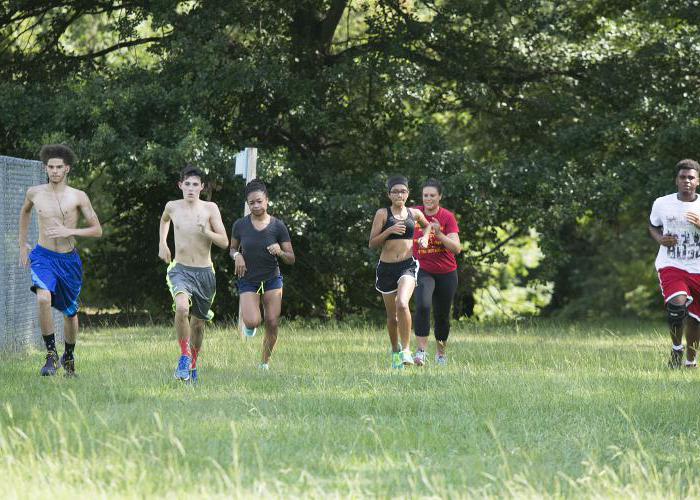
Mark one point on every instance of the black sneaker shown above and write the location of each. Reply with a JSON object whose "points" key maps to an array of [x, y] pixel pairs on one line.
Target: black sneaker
{"points": [[49, 368], [676, 359], [69, 366]]}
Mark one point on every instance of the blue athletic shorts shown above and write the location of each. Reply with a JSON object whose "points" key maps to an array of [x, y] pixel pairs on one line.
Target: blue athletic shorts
{"points": [[259, 286], [59, 273]]}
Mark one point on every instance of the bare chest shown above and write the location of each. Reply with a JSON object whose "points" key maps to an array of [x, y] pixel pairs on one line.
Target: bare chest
{"points": [[188, 222], [52, 205]]}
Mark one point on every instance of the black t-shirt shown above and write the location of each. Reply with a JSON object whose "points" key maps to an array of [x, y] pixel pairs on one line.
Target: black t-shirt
{"points": [[261, 265]]}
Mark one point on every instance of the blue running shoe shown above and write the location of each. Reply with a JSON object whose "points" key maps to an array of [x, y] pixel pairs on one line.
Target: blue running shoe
{"points": [[249, 332], [182, 372], [194, 378]]}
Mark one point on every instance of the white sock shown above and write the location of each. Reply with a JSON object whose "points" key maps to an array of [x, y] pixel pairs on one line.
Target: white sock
{"points": [[678, 347]]}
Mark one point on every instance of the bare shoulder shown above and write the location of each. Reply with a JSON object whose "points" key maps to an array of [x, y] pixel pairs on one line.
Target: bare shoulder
{"points": [[77, 194], [381, 212], [212, 207], [32, 191]]}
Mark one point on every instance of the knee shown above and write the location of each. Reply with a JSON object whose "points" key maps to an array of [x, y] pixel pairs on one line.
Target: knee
{"points": [[676, 312], [43, 298], [182, 308], [272, 323], [402, 306]]}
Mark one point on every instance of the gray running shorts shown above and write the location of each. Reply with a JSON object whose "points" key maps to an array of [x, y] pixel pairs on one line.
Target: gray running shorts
{"points": [[198, 283]]}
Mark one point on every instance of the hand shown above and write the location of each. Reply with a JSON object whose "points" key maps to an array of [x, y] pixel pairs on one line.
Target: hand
{"points": [[202, 225], [24, 255], [275, 249], [164, 253], [240, 268], [59, 231], [436, 228], [423, 241], [398, 228], [669, 240], [693, 218]]}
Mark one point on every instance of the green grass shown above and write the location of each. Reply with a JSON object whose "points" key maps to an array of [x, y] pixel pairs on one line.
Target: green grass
{"points": [[534, 409]]}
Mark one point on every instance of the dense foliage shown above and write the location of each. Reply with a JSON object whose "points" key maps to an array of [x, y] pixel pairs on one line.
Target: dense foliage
{"points": [[566, 117]]}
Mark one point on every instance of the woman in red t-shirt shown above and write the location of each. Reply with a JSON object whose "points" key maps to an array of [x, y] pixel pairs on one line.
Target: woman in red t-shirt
{"points": [[437, 275]]}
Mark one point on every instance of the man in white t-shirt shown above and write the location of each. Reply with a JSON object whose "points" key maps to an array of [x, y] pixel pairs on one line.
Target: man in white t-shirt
{"points": [[675, 225]]}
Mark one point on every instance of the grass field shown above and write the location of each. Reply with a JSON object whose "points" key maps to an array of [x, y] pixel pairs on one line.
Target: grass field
{"points": [[535, 409]]}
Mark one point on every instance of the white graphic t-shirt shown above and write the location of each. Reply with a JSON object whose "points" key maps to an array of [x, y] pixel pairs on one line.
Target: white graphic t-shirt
{"points": [[669, 212]]}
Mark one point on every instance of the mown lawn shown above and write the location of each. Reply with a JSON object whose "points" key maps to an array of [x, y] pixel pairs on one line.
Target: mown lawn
{"points": [[525, 409]]}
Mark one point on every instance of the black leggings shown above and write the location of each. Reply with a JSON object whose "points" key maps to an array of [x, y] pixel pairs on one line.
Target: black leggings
{"points": [[436, 290]]}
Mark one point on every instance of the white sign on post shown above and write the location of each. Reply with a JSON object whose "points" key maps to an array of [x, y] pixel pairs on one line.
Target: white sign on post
{"points": [[246, 163]]}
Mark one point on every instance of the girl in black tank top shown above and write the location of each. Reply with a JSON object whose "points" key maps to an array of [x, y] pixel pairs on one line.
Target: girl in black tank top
{"points": [[397, 270]]}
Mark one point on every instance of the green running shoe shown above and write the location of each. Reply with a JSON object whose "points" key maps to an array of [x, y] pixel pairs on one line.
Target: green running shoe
{"points": [[396, 361]]}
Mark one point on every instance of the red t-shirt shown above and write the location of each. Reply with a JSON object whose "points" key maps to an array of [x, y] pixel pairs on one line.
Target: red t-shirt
{"points": [[436, 259]]}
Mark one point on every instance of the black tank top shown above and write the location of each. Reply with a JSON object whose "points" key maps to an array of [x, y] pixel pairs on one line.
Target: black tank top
{"points": [[392, 221]]}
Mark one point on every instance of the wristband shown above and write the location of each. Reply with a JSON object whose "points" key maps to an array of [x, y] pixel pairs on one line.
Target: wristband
{"points": [[235, 254]]}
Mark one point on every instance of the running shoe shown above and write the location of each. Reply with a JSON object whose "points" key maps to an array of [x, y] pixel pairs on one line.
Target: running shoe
{"points": [[676, 359], [441, 359], [419, 358], [407, 357], [182, 372], [249, 332], [264, 366], [49, 368], [194, 378], [396, 360], [691, 364], [68, 365]]}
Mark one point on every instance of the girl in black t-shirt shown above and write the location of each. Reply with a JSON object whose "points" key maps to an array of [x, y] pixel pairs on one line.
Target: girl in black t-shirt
{"points": [[258, 240]]}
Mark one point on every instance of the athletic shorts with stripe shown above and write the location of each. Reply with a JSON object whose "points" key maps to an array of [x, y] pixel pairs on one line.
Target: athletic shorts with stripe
{"points": [[674, 281], [198, 283], [389, 274]]}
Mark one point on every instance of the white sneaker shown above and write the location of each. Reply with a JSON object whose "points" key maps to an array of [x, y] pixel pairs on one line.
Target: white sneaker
{"points": [[419, 358], [441, 359], [264, 366], [249, 332], [407, 357]]}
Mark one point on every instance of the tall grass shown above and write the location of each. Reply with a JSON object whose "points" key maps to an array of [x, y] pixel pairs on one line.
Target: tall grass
{"points": [[522, 410]]}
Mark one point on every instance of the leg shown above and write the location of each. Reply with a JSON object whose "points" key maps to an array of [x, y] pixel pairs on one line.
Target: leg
{"points": [[446, 286], [391, 322], [677, 310], [43, 299], [403, 314], [182, 327], [182, 312], [424, 299], [197, 332], [70, 329], [250, 309], [272, 303], [692, 336]]}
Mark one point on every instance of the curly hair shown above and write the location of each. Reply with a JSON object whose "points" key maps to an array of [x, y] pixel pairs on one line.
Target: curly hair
{"points": [[61, 151]]}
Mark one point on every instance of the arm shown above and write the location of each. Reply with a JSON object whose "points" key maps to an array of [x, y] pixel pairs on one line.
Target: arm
{"points": [[377, 237], [667, 240], [238, 260], [24, 217], [92, 230], [217, 233], [163, 229], [284, 251], [425, 226]]}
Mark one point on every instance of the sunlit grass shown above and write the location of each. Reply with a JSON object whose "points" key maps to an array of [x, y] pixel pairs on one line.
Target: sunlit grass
{"points": [[526, 409]]}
